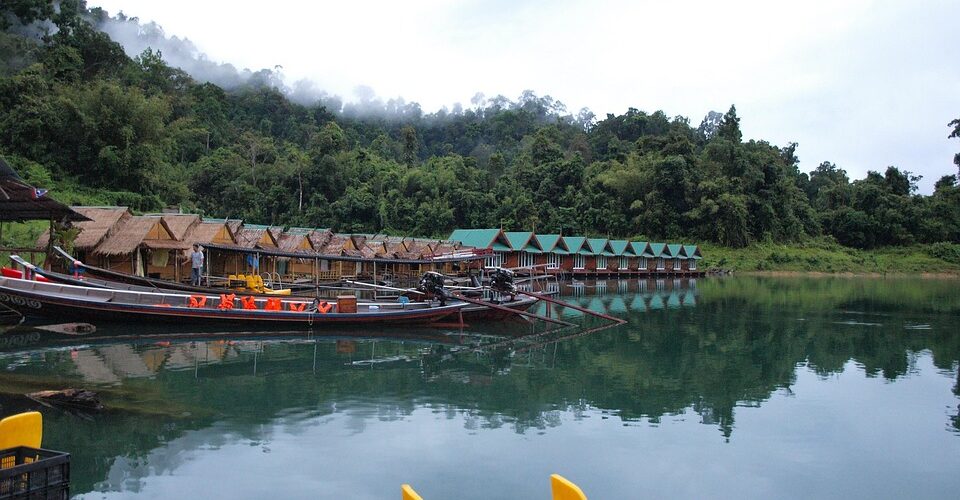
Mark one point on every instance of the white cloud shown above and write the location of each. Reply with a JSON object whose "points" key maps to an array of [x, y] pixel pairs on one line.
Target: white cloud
{"points": [[861, 83]]}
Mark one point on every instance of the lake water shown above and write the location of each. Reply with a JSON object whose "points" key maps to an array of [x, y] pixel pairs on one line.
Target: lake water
{"points": [[738, 387]]}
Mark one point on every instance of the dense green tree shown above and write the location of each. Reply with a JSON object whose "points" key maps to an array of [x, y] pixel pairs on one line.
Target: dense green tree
{"points": [[74, 109]]}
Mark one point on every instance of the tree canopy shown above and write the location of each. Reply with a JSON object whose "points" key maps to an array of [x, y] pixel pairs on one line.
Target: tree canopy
{"points": [[78, 113]]}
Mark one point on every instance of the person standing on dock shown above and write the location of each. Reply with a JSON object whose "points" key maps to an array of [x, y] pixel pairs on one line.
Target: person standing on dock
{"points": [[196, 265]]}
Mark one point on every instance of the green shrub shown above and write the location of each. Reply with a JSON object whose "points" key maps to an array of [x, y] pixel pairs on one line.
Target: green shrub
{"points": [[949, 252]]}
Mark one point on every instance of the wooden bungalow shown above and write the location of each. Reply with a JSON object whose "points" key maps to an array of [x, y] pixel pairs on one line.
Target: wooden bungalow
{"points": [[554, 253], [491, 239], [598, 261], [623, 255], [340, 245], [693, 256], [660, 255], [295, 240], [141, 245], [644, 254], [578, 248], [676, 258], [445, 248], [525, 248], [254, 236]]}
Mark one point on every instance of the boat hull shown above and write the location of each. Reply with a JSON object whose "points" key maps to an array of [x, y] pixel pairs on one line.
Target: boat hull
{"points": [[63, 302], [474, 313]]}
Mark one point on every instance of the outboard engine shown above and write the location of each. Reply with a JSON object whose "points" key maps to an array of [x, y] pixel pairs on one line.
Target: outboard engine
{"points": [[501, 281], [431, 283]]}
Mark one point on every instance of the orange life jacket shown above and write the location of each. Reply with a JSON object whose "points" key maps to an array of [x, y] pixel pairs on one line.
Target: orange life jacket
{"points": [[273, 304], [248, 302], [198, 300], [295, 307], [226, 300], [324, 307]]}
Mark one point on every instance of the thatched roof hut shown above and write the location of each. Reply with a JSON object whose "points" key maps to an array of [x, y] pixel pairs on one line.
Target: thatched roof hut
{"points": [[133, 232], [103, 220]]}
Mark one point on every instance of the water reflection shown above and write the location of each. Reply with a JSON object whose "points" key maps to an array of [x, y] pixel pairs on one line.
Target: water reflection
{"points": [[700, 353]]}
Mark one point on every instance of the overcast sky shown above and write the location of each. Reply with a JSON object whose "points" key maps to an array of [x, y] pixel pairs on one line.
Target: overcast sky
{"points": [[863, 84]]}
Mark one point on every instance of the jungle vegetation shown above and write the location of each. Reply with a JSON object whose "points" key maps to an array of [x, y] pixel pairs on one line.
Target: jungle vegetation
{"points": [[81, 117]]}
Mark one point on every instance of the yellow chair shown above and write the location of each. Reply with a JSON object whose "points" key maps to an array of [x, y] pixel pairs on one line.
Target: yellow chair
{"points": [[563, 489], [408, 493], [22, 429]]}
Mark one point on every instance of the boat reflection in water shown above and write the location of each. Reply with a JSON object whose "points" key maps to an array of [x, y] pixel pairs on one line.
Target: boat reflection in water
{"points": [[734, 369]]}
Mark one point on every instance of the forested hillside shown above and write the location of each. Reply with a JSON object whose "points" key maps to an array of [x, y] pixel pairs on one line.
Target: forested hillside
{"points": [[79, 116]]}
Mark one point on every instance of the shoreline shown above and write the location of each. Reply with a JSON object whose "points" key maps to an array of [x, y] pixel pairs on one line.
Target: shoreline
{"points": [[849, 274]]}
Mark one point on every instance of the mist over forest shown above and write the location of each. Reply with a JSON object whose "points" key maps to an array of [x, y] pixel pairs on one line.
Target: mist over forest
{"points": [[106, 110]]}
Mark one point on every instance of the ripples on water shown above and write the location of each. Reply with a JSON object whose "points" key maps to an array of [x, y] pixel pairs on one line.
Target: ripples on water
{"points": [[741, 387]]}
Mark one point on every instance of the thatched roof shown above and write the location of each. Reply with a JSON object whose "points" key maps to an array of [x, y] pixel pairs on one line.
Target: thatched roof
{"points": [[205, 232], [320, 237], [180, 224], [292, 242], [131, 233], [102, 221], [250, 236], [336, 244]]}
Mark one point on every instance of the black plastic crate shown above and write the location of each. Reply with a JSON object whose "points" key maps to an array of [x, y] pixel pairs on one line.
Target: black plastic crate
{"points": [[34, 473]]}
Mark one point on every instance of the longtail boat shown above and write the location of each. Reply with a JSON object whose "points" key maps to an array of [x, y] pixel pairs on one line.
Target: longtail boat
{"points": [[58, 301], [471, 312]]}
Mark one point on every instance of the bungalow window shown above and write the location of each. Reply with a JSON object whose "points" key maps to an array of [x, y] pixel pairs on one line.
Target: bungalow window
{"points": [[578, 261], [554, 261], [526, 259], [601, 262], [643, 263], [495, 260], [692, 265], [676, 264], [660, 264], [624, 263]]}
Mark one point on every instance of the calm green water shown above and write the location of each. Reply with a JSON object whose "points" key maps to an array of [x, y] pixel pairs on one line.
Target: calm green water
{"points": [[731, 388]]}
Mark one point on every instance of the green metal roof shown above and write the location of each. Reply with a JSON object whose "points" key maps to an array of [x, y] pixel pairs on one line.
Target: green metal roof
{"points": [[657, 249], [525, 241], [641, 248], [575, 245], [693, 252], [553, 243], [621, 248], [599, 246], [676, 251], [481, 238]]}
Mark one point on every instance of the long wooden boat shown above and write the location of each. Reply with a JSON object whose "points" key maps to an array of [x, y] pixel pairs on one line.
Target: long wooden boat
{"points": [[471, 312], [70, 302]]}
